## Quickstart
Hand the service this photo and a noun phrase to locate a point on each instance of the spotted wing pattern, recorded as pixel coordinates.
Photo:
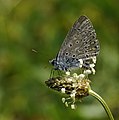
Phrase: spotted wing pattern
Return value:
(80, 43)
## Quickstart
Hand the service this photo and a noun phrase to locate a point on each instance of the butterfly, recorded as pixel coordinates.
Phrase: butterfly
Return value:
(80, 47)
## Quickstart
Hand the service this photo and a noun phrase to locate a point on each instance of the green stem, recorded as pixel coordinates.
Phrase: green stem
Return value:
(105, 106)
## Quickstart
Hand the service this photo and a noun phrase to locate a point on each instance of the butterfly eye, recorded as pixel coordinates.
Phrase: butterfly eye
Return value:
(73, 55)
(70, 45)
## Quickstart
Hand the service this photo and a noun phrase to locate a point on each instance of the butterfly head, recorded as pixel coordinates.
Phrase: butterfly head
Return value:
(58, 65)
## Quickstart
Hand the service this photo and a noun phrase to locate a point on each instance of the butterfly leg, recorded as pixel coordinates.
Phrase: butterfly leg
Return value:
(59, 72)
(52, 73)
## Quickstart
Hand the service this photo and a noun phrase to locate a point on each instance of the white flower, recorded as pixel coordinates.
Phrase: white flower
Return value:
(87, 72)
(72, 95)
(69, 79)
(74, 85)
(81, 76)
(67, 73)
(63, 100)
(63, 90)
(75, 75)
(73, 106)
(66, 104)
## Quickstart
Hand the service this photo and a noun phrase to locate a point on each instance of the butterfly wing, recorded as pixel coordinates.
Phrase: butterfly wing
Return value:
(80, 43)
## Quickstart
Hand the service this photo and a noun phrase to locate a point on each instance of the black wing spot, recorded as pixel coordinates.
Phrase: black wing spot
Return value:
(87, 55)
(70, 45)
(96, 46)
(66, 53)
(77, 42)
(79, 29)
(86, 47)
(86, 51)
(73, 55)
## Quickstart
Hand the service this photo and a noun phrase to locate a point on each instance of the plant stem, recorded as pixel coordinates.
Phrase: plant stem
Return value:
(105, 106)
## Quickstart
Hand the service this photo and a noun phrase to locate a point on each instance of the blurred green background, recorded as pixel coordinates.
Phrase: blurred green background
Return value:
(42, 25)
